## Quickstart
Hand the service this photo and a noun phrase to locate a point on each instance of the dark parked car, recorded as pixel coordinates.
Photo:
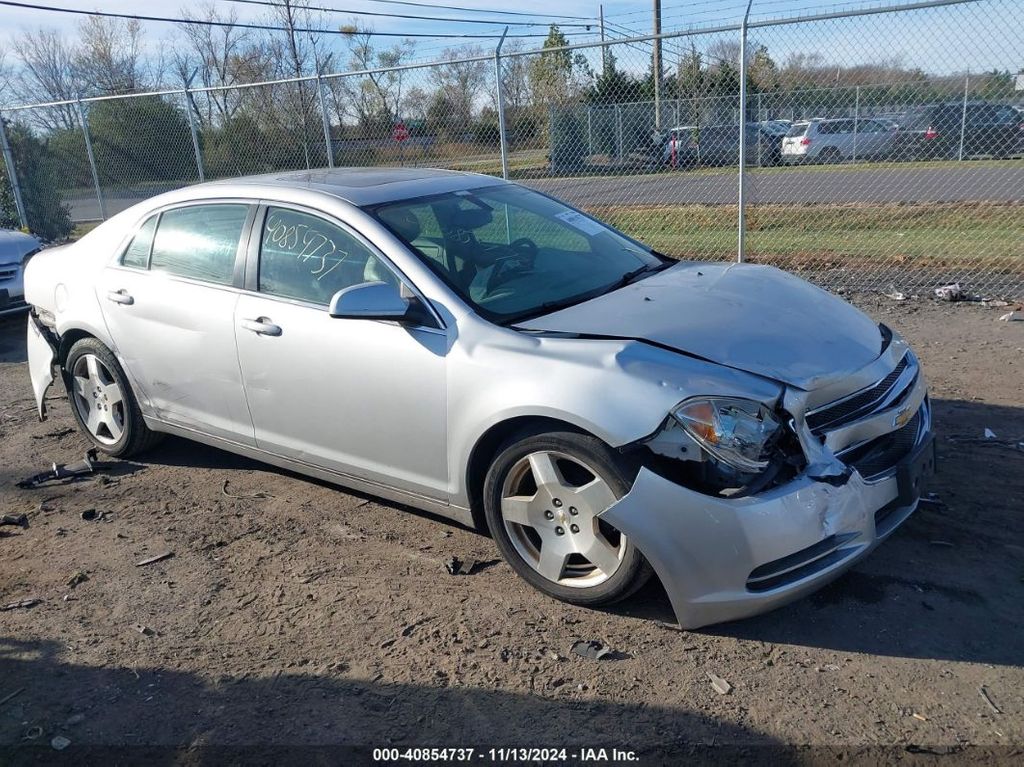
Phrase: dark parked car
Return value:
(934, 131)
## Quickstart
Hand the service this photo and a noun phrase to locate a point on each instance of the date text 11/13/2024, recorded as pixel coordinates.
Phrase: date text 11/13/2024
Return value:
(504, 755)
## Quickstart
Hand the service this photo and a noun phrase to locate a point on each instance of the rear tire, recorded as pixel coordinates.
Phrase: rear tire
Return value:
(102, 401)
(543, 495)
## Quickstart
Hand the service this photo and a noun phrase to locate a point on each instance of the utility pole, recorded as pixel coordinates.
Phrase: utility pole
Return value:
(604, 51)
(656, 65)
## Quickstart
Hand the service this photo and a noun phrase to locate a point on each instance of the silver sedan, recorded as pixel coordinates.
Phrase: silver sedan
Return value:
(473, 348)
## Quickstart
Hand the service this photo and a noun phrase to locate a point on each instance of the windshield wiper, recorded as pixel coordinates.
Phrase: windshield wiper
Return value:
(551, 306)
(630, 276)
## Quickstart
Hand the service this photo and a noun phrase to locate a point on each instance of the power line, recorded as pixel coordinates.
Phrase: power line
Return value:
(449, 19)
(434, 6)
(264, 27)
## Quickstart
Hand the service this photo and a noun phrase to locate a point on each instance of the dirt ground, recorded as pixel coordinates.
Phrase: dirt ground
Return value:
(295, 614)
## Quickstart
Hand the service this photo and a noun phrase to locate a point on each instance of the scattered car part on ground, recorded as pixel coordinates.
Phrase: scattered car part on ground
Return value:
(69, 471)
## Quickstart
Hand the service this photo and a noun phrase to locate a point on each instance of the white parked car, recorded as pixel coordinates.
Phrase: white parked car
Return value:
(16, 248)
(838, 140)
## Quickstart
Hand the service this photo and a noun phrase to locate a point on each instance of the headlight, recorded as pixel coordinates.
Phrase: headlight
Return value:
(736, 431)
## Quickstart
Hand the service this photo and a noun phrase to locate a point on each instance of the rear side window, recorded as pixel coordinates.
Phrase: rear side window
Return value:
(137, 252)
(200, 241)
(836, 127)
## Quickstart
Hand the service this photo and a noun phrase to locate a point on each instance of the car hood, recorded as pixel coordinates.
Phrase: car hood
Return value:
(750, 317)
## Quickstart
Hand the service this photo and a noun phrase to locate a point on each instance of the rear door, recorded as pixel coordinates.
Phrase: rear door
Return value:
(169, 303)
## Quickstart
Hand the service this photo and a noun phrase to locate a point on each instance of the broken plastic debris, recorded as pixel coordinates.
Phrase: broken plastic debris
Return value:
(895, 295)
(259, 495)
(989, 434)
(456, 566)
(1014, 316)
(951, 292)
(76, 578)
(21, 520)
(59, 743)
(21, 603)
(721, 686)
(592, 650)
(988, 700)
(65, 471)
(157, 558)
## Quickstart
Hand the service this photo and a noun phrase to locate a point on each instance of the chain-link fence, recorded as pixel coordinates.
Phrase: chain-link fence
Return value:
(883, 147)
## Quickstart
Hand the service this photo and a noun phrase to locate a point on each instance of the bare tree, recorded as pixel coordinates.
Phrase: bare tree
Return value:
(218, 56)
(515, 80)
(48, 73)
(109, 56)
(374, 99)
(459, 85)
(5, 78)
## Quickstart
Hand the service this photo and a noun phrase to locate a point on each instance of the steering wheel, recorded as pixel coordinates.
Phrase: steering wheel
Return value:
(520, 259)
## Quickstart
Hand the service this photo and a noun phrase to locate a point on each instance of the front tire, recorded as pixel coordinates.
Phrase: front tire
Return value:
(102, 401)
(543, 496)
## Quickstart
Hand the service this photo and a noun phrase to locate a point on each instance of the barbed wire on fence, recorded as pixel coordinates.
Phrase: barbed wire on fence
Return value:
(883, 146)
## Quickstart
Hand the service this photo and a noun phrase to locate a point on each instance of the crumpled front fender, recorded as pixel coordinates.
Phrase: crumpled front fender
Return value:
(41, 357)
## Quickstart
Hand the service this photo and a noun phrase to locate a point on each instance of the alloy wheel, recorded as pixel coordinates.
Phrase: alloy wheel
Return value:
(98, 399)
(550, 506)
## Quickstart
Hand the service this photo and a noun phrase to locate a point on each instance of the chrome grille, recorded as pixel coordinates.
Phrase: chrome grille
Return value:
(857, 405)
(876, 457)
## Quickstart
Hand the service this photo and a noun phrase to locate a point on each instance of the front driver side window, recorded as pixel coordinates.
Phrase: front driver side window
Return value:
(307, 258)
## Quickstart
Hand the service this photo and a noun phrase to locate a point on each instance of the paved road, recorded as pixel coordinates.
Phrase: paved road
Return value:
(969, 182)
(902, 184)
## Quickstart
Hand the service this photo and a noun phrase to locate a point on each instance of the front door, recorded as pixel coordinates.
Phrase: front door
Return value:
(169, 304)
(359, 397)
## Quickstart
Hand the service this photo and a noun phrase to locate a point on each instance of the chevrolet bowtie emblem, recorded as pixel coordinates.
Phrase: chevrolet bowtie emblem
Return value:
(901, 417)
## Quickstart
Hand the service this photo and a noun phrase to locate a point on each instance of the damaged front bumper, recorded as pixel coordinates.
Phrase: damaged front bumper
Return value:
(721, 559)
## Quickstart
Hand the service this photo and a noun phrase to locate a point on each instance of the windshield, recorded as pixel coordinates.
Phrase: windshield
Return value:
(513, 253)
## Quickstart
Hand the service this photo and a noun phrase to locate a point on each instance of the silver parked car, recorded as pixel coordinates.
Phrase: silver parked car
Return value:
(837, 140)
(16, 248)
(480, 350)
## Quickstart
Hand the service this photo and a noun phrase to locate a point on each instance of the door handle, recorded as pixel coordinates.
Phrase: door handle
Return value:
(262, 326)
(120, 297)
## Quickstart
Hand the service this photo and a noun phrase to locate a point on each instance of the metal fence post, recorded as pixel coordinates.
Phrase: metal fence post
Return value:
(963, 116)
(856, 121)
(618, 131)
(741, 219)
(502, 137)
(590, 130)
(12, 174)
(195, 135)
(758, 121)
(326, 120)
(92, 160)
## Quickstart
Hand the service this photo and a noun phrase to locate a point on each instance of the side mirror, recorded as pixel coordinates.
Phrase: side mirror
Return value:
(371, 301)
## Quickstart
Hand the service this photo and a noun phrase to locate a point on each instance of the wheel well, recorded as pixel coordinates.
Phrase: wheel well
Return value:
(486, 449)
(69, 339)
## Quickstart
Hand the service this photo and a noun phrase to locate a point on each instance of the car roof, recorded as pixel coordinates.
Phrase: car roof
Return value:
(362, 186)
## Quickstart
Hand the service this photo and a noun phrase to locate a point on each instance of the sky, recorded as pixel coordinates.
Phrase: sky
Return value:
(978, 37)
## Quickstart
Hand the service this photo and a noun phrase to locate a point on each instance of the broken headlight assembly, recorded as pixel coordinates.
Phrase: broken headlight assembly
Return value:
(724, 446)
(736, 432)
